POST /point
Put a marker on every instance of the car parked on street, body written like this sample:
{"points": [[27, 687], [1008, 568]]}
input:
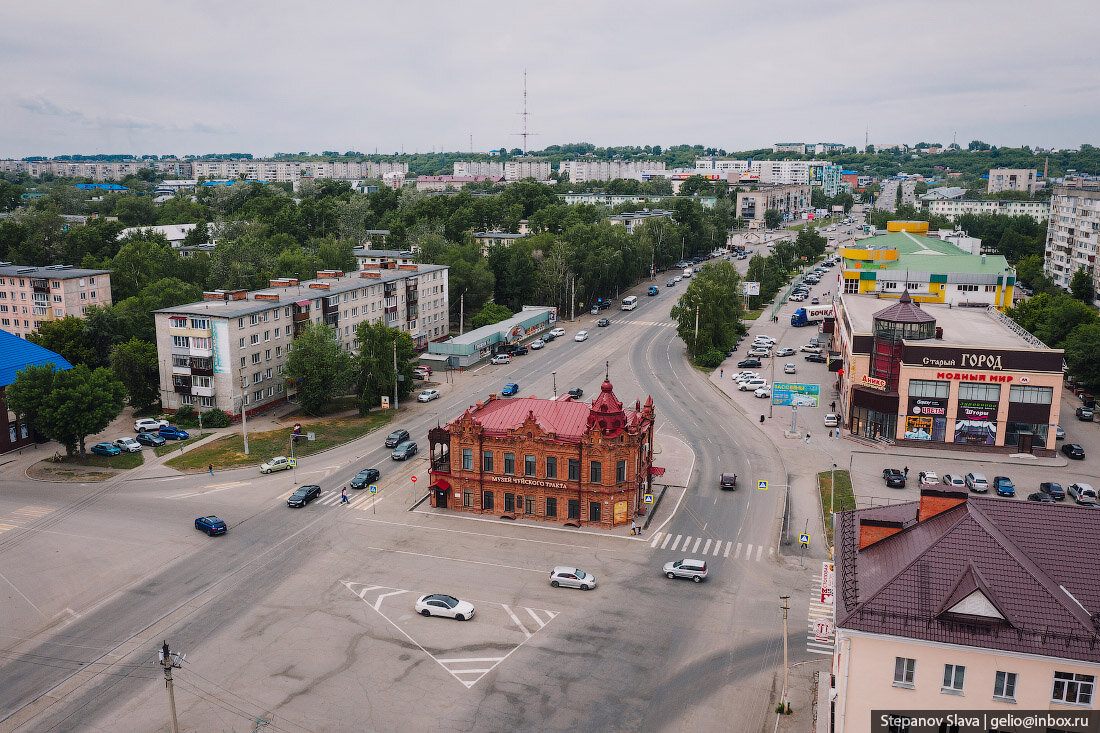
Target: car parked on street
{"points": [[751, 385], [365, 478], [1003, 486], [1083, 494], [278, 463], [1074, 451], [558, 331], [303, 495], [816, 358], [976, 482], [428, 395], [581, 336], [832, 420], [1054, 489], [894, 478], [810, 349], [747, 363], [789, 368], [1059, 434], [148, 424], [439, 604], [928, 478], [785, 351], [169, 432], [1040, 497], [954, 480], [211, 525], [571, 578], [760, 352], [106, 449], [537, 344], [762, 392], [501, 359], [128, 444], [397, 436], [404, 451], [687, 568], [1085, 414], [150, 439]]}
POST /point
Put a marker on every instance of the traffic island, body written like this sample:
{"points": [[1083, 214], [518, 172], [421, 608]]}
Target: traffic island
{"points": [[77, 469]]}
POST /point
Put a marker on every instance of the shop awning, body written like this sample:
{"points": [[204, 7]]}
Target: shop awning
{"points": [[656, 471], [441, 483]]}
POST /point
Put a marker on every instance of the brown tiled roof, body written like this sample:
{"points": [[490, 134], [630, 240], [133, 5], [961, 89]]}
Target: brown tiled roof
{"points": [[904, 311], [1034, 563]]}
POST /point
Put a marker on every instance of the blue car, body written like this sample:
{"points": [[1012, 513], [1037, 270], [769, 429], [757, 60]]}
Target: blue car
{"points": [[106, 449], [211, 525], [509, 389], [169, 432], [1004, 486], [652, 290]]}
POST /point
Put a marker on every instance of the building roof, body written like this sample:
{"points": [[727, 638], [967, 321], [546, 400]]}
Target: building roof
{"points": [[50, 272], [961, 326], [904, 311], [984, 573], [17, 354], [919, 254], [396, 254]]}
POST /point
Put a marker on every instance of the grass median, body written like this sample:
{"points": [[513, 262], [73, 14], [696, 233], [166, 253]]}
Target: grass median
{"points": [[174, 445], [121, 461], [842, 497], [228, 451]]}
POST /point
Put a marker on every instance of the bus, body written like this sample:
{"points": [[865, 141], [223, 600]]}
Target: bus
{"points": [[629, 303]]}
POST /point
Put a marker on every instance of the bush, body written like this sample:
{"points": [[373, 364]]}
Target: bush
{"points": [[215, 419], [185, 416], [711, 358]]}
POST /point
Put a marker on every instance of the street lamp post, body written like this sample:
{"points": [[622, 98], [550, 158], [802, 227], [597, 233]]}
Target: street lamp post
{"points": [[554, 375], [244, 409], [832, 486]]}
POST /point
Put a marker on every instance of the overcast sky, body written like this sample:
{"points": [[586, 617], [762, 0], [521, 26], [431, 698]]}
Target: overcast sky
{"points": [[262, 77]]}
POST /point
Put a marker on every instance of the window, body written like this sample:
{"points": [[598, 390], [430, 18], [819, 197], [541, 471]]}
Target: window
{"points": [[487, 461], [242, 361], [206, 401], [983, 392], [953, 678], [574, 469], [467, 496], [255, 339], [83, 296], [241, 342], [529, 469], [187, 399], [509, 463], [904, 671], [203, 324], [620, 471], [181, 341], [487, 500], [929, 388], [267, 354], [1075, 689], [1004, 686], [467, 461], [253, 319], [595, 472], [173, 322], [256, 358], [529, 505], [279, 351], [1030, 395], [258, 395], [551, 467], [257, 377], [551, 507], [267, 335]]}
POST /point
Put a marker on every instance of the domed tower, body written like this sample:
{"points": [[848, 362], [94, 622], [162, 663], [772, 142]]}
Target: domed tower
{"points": [[902, 321], [607, 411]]}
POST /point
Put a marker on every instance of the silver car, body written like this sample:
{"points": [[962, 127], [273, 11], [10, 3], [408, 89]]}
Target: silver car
{"points": [[571, 578], [687, 568]]}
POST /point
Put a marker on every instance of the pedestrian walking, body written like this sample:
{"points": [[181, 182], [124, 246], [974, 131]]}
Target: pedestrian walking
{"points": [[633, 527], [807, 438], [907, 472], [833, 406], [211, 469], [721, 373], [761, 419], [344, 496]]}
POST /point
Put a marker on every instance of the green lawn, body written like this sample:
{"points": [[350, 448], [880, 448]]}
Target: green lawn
{"points": [[122, 460], [228, 451], [843, 498], [174, 445], [751, 315]]}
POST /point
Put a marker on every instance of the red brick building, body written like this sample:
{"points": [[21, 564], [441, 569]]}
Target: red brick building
{"points": [[556, 460]]}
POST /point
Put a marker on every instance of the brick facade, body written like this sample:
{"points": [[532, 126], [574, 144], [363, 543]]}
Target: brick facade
{"points": [[556, 460]]}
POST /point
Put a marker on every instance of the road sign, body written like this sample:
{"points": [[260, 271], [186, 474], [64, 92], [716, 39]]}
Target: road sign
{"points": [[311, 436], [414, 479], [647, 498], [293, 462], [823, 630], [762, 484], [796, 395], [373, 489], [804, 538]]}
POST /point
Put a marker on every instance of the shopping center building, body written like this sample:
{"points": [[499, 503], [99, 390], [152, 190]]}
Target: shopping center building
{"points": [[927, 374], [547, 459]]}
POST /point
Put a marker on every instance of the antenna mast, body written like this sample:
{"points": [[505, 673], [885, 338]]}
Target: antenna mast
{"points": [[525, 134]]}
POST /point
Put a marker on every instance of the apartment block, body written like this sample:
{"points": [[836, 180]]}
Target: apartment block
{"points": [[229, 349], [786, 199], [1073, 232], [295, 170], [517, 170], [1014, 179], [97, 170], [798, 148], [579, 171], [1037, 210], [31, 296], [478, 168]]}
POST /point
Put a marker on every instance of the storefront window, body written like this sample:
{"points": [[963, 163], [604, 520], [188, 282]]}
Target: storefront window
{"points": [[1013, 430], [872, 423], [976, 413]]}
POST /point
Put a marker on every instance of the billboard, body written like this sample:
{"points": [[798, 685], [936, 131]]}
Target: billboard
{"points": [[795, 395], [750, 288], [221, 346]]}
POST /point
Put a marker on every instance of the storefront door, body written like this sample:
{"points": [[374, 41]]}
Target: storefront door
{"points": [[594, 511]]}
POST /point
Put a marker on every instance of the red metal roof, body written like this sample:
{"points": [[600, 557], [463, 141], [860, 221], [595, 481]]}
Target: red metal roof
{"points": [[565, 418]]}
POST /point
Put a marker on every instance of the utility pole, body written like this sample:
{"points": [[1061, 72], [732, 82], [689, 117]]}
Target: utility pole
{"points": [[573, 299], [169, 661], [461, 311], [695, 339], [832, 486], [786, 670], [395, 374], [554, 375], [244, 409]]}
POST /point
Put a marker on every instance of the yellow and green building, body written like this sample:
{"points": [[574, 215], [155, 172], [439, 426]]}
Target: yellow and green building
{"points": [[933, 271]]}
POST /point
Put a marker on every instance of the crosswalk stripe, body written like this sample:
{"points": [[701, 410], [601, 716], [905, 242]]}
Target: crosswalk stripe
{"points": [[706, 547], [759, 552], [696, 548], [738, 553], [667, 538], [717, 547], [729, 546], [676, 543], [656, 539]]}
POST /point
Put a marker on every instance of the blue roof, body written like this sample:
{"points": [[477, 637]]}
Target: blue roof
{"points": [[227, 182], [102, 186], [17, 353]]}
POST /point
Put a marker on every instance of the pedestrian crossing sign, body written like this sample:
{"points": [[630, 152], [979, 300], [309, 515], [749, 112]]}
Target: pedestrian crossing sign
{"points": [[762, 484], [293, 462], [647, 499], [373, 489], [804, 538]]}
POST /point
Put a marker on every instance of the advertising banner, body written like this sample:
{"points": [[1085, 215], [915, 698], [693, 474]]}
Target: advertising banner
{"points": [[797, 395], [620, 512], [751, 288], [220, 333]]}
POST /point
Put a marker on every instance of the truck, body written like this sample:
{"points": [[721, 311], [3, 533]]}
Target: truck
{"points": [[811, 316]]}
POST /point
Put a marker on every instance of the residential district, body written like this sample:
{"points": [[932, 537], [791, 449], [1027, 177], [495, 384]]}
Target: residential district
{"points": [[792, 439]]}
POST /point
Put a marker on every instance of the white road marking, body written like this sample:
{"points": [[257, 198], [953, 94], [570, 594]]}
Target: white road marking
{"points": [[676, 543], [172, 478], [717, 547], [667, 538], [515, 618], [729, 546], [539, 621], [706, 547], [759, 552], [378, 601], [738, 553], [212, 490], [455, 559], [696, 548], [656, 539]]}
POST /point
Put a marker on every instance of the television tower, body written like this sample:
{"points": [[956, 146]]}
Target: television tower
{"points": [[524, 114]]}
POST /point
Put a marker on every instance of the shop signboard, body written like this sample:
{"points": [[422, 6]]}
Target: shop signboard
{"points": [[976, 422]]}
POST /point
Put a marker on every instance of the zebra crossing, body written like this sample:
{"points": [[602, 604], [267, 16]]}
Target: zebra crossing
{"points": [[361, 500], [821, 632], [23, 516], [708, 546], [666, 324]]}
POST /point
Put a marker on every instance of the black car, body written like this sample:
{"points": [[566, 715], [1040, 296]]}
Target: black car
{"points": [[1054, 490], [211, 525], [548, 337], [397, 436], [1040, 497], [670, 283], [404, 451], [1085, 414], [304, 495], [894, 478], [150, 439], [520, 351], [604, 304], [1072, 450], [576, 393], [365, 478], [748, 364], [603, 322], [817, 358]]}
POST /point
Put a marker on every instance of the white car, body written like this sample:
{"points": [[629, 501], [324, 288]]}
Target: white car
{"points": [[751, 385], [501, 359], [128, 445], [572, 578], [279, 463], [789, 368], [148, 425], [581, 336], [928, 478], [742, 376], [678, 278], [537, 344], [810, 349], [439, 604], [796, 298], [763, 392], [954, 480], [785, 351], [760, 351], [428, 395], [832, 420], [763, 337], [559, 331]]}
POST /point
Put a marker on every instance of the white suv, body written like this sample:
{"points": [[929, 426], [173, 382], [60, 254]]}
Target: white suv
{"points": [[148, 425], [687, 568], [751, 385]]}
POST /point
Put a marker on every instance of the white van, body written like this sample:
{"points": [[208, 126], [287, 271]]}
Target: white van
{"points": [[687, 272]]}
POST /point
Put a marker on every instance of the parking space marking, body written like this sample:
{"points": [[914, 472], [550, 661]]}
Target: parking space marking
{"points": [[667, 538], [706, 547], [515, 618], [696, 548]]}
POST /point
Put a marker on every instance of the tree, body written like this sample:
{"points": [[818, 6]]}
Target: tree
{"points": [[374, 364], [1080, 287], [713, 300], [1082, 345], [66, 337], [772, 218], [320, 366], [67, 405], [139, 262], [135, 365], [489, 314]]}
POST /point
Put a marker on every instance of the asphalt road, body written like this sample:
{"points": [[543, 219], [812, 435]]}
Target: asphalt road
{"points": [[303, 617]]}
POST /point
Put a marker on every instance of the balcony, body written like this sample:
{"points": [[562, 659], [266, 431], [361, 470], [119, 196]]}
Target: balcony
{"points": [[181, 370], [181, 388], [201, 351], [202, 391]]}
